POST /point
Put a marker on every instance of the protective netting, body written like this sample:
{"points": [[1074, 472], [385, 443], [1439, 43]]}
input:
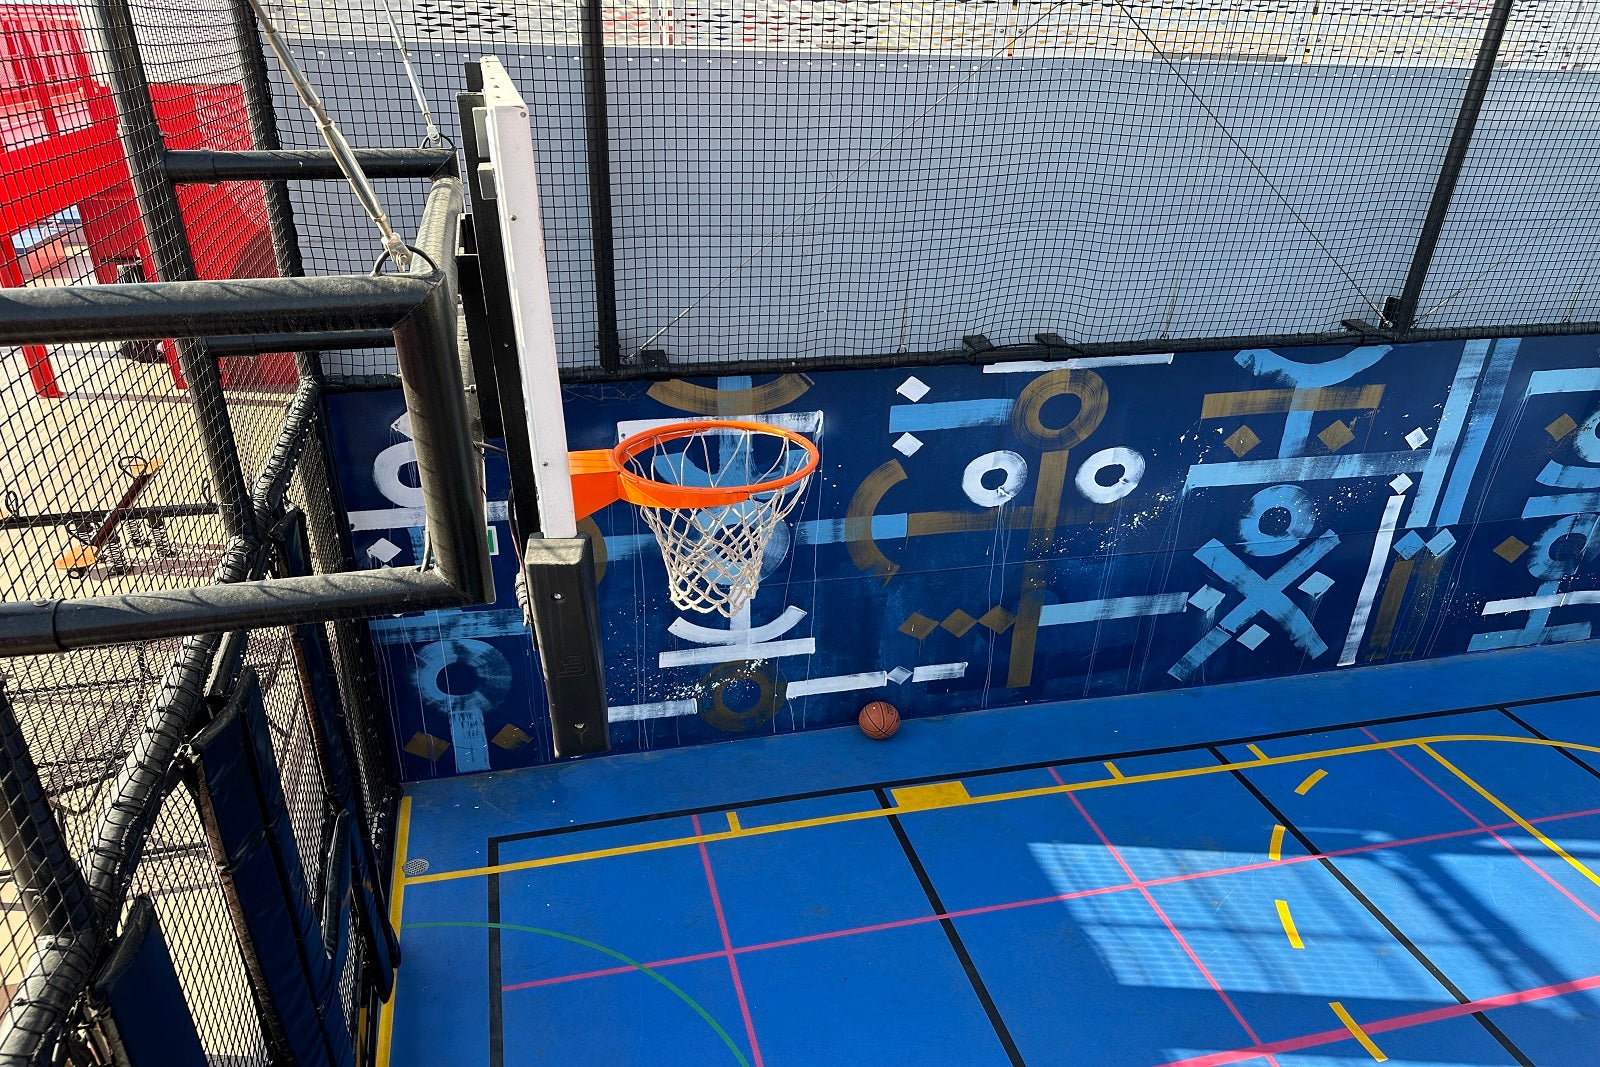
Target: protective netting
{"points": [[179, 874], [142, 466], [810, 179]]}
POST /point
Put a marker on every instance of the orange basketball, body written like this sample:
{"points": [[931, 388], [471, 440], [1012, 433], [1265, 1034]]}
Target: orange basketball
{"points": [[879, 720]]}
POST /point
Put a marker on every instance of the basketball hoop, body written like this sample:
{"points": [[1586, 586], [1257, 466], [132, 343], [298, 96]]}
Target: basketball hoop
{"points": [[712, 492]]}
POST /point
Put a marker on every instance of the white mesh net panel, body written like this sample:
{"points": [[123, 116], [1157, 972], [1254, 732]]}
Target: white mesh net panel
{"points": [[714, 554]]}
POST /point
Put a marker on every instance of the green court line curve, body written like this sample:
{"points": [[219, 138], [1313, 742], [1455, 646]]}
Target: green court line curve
{"points": [[614, 954]]}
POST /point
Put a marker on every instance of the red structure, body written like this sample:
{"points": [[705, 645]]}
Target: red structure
{"points": [[64, 183]]}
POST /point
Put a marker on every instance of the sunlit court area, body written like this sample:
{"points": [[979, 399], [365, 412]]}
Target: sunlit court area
{"points": [[797, 533]]}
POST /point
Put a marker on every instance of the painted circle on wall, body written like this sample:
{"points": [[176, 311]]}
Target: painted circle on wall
{"points": [[1587, 438], [994, 478], [1028, 416], [742, 696], [1564, 547], [773, 554], [1122, 466], [461, 674], [1280, 517]]}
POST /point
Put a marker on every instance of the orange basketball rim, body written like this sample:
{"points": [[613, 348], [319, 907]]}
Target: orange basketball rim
{"points": [[603, 476]]}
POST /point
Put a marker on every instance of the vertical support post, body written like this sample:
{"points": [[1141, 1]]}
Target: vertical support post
{"points": [[592, 34], [174, 259], [264, 134], [1403, 314], [54, 893]]}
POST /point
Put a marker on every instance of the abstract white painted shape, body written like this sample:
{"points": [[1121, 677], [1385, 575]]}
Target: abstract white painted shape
{"points": [[383, 550], [907, 445], [1012, 466], [913, 389], [1132, 464]]}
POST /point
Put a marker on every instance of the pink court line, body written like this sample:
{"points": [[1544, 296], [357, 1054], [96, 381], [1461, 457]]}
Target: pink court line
{"points": [[1150, 899], [1398, 1022], [1507, 845], [989, 909], [727, 949]]}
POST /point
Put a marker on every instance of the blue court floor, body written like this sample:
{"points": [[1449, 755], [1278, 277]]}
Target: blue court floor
{"points": [[1242, 874]]}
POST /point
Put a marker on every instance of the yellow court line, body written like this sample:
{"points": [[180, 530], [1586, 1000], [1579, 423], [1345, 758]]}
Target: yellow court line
{"points": [[397, 896], [1311, 779], [1356, 1032], [733, 821], [992, 798], [1288, 925], [1513, 816], [1112, 767], [1258, 753], [1275, 850]]}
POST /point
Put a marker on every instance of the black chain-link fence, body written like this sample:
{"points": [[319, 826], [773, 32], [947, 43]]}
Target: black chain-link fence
{"points": [[846, 183]]}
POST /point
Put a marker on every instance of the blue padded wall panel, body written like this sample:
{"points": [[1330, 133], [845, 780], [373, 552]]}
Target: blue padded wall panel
{"points": [[241, 801], [331, 732], [985, 536], [321, 975], [138, 990]]}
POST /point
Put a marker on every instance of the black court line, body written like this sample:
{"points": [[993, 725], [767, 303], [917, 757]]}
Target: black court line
{"points": [[497, 1051], [1036, 765], [1377, 913], [496, 994], [493, 843], [1541, 735], [982, 991]]}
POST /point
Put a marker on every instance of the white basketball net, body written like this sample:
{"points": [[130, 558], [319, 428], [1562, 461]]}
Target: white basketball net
{"points": [[713, 554]]}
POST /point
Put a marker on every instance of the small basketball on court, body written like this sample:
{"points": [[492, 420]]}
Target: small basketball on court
{"points": [[879, 720]]}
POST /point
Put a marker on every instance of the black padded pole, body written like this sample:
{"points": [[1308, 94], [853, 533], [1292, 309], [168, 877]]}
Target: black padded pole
{"points": [[597, 134], [1404, 314]]}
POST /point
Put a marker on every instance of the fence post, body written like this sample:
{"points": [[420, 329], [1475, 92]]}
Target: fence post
{"points": [[264, 134], [55, 897], [1404, 312], [592, 34], [169, 248]]}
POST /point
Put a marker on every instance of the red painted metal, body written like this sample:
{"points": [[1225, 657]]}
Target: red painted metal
{"points": [[59, 149]]}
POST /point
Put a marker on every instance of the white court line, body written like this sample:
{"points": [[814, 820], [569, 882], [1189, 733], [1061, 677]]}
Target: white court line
{"points": [[661, 709], [804, 646], [806, 422], [409, 518], [934, 672]]}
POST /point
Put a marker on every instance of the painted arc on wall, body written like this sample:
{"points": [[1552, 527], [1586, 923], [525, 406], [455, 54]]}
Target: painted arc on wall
{"points": [[1268, 527]]}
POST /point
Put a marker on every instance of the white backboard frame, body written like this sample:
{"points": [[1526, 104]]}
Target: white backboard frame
{"points": [[510, 177]]}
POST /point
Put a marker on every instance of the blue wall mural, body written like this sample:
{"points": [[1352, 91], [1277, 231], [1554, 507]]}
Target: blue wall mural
{"points": [[983, 536], [463, 688]]}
